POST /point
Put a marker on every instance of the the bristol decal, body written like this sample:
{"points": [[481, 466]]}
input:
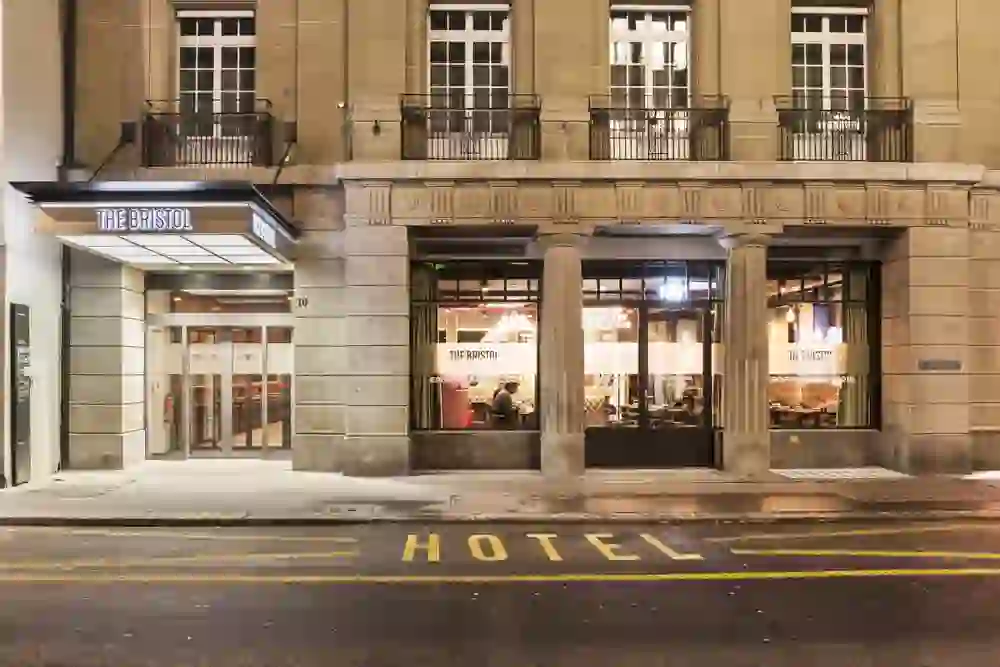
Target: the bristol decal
{"points": [[144, 219]]}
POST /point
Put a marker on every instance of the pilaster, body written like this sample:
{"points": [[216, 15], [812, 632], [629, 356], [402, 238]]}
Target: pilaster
{"points": [[561, 356], [107, 365], [320, 333], [746, 436], [927, 356]]}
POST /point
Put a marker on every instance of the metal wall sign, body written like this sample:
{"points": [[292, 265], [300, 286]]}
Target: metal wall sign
{"points": [[144, 219], [20, 393]]}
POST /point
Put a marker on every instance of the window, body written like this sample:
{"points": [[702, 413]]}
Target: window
{"points": [[469, 56], [823, 322], [217, 59], [649, 330], [650, 83], [474, 343], [829, 60], [649, 58]]}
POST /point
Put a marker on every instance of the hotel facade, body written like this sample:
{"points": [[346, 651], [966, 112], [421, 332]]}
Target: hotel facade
{"points": [[383, 237]]}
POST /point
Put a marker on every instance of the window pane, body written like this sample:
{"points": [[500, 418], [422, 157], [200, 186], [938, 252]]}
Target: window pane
{"points": [[230, 79], [230, 57], [187, 80], [439, 20], [856, 54], [188, 57], [248, 26], [230, 26], [188, 27], [247, 79], [248, 56], [205, 57]]}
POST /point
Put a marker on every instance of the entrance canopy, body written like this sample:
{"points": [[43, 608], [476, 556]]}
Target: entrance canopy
{"points": [[165, 225]]}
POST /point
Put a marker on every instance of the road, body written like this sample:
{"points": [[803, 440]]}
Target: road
{"points": [[622, 594]]}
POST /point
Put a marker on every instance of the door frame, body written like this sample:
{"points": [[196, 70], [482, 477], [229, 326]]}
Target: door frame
{"points": [[228, 321], [643, 446]]}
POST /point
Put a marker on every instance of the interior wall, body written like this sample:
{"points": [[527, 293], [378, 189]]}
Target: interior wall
{"points": [[30, 141]]}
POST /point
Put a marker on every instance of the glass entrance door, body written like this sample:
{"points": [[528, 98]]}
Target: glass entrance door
{"points": [[651, 383], [238, 390]]}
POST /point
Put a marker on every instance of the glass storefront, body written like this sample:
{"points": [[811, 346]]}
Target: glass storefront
{"points": [[823, 341], [474, 340], [652, 335], [653, 352]]}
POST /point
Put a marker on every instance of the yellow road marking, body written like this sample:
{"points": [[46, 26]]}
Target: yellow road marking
{"points": [[100, 578], [185, 535], [821, 553], [848, 533], [432, 546], [674, 555], [169, 560]]}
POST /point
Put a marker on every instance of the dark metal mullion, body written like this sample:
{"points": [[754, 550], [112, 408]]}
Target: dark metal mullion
{"points": [[707, 336], [643, 365]]}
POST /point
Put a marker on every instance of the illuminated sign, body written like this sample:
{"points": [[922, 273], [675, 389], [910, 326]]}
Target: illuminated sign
{"points": [[144, 219], [264, 232]]}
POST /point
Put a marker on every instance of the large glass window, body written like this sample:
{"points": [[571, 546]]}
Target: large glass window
{"points": [[650, 335], [474, 341], [822, 337]]}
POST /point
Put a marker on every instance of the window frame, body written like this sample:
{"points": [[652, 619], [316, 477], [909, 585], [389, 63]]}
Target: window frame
{"points": [[216, 42], [461, 271], [648, 39], [826, 39], [871, 303], [469, 36]]}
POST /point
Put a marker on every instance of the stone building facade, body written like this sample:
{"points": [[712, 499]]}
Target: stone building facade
{"points": [[806, 180]]}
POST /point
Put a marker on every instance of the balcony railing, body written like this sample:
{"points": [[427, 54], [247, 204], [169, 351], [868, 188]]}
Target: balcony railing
{"points": [[696, 131], [173, 137], [437, 127], [876, 129]]}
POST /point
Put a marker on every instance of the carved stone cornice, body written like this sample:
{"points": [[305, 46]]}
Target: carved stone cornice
{"points": [[671, 202]]}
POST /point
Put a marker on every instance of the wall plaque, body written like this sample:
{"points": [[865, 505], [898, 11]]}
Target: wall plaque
{"points": [[939, 364]]}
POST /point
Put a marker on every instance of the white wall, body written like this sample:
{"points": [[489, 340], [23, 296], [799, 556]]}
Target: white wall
{"points": [[30, 149]]}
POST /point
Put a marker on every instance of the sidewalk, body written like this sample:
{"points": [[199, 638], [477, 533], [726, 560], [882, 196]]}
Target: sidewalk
{"points": [[269, 492]]}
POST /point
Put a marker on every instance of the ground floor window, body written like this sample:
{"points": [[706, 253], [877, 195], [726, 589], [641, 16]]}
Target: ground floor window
{"points": [[652, 346], [474, 345], [823, 341]]}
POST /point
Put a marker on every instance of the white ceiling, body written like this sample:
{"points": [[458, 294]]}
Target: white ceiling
{"points": [[175, 251]]}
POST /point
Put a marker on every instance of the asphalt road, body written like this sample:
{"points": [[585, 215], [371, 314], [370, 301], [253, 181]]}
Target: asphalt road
{"points": [[890, 594]]}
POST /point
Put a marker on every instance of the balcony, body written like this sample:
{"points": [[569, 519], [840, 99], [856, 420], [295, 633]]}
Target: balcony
{"points": [[172, 137], [439, 127], [696, 131], [879, 129]]}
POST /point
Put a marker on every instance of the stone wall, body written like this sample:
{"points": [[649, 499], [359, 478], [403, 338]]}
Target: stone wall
{"points": [[107, 362]]}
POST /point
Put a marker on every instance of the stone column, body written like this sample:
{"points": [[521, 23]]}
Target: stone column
{"points": [[745, 421], [320, 332], [928, 359], [107, 348], [561, 356], [884, 39], [705, 47], [377, 307], [930, 76]]}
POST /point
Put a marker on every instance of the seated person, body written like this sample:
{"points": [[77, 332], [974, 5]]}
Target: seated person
{"points": [[504, 410]]}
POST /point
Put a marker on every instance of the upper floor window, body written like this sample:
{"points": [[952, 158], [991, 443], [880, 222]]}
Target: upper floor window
{"points": [[217, 59], [470, 57], [649, 57], [829, 63]]}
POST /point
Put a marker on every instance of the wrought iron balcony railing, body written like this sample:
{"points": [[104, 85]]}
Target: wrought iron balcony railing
{"points": [[439, 127], [871, 129], [696, 131], [175, 137]]}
